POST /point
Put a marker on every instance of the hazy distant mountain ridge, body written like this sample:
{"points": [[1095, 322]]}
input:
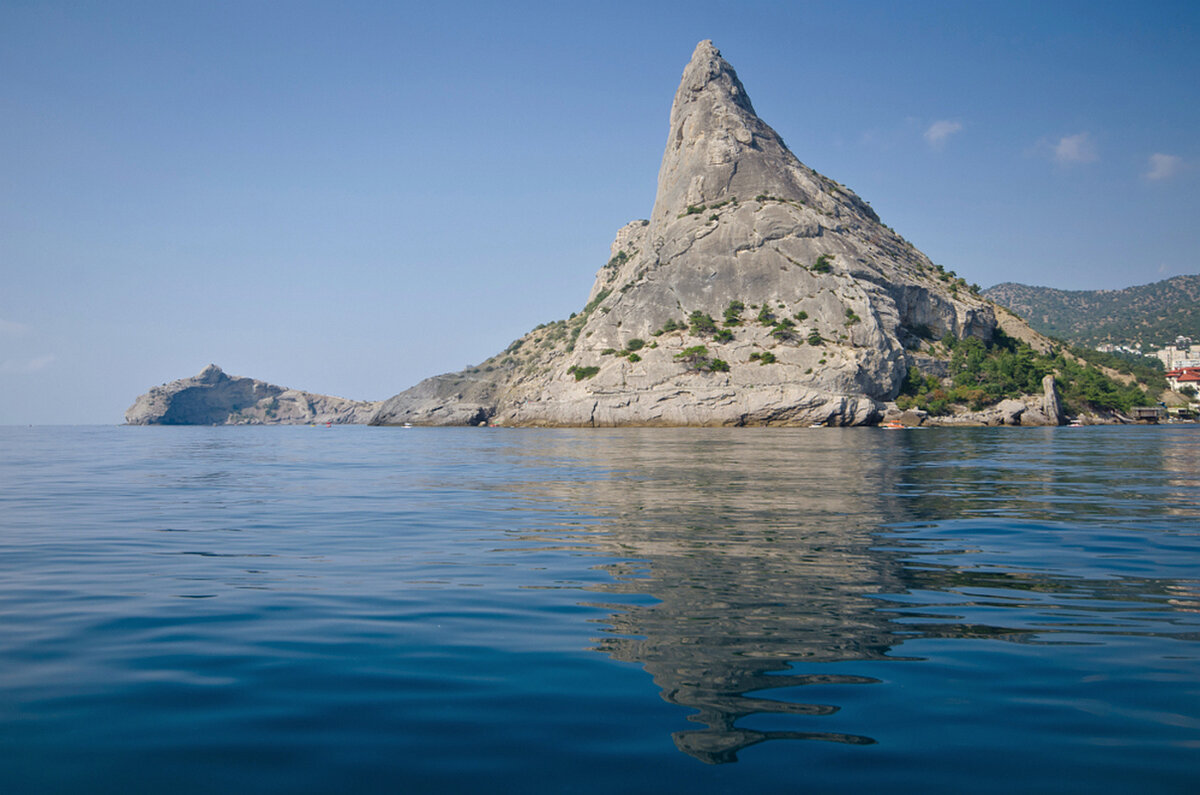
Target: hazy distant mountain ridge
{"points": [[1152, 314]]}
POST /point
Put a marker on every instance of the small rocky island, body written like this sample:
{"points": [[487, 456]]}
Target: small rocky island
{"points": [[758, 292], [214, 398]]}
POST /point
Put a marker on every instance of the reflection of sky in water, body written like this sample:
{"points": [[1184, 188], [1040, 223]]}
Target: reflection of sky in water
{"points": [[773, 555], [302, 606]]}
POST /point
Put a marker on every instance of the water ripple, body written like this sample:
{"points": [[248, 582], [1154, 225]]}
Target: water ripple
{"points": [[290, 609]]}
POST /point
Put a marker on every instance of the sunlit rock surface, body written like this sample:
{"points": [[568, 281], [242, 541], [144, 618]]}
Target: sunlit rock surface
{"points": [[834, 303]]}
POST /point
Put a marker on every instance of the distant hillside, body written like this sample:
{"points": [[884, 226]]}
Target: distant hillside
{"points": [[1152, 314]]}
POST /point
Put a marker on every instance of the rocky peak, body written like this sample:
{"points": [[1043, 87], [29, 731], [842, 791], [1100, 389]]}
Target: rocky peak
{"points": [[759, 292], [708, 70], [211, 375], [718, 148]]}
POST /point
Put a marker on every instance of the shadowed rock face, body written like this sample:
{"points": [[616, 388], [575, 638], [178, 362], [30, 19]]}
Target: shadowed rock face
{"points": [[831, 298], [214, 398]]}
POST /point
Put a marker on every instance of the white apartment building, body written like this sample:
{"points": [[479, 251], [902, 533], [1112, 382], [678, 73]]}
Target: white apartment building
{"points": [[1180, 354]]}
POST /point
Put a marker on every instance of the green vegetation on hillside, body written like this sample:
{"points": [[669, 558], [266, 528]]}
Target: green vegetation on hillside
{"points": [[733, 313], [697, 359], [702, 323], [784, 329], [581, 373], [983, 374], [595, 302], [618, 259], [1147, 369], [1150, 314], [629, 351], [671, 325]]}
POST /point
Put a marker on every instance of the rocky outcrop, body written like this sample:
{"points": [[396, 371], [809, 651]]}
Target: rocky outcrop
{"points": [[758, 292], [214, 398], [1051, 406], [1030, 410]]}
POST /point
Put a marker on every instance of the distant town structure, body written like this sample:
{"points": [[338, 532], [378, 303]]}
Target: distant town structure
{"points": [[1182, 353], [1108, 347], [1181, 362]]}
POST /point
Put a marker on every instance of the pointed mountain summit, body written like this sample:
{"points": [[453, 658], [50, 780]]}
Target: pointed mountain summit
{"points": [[718, 146], [758, 292]]}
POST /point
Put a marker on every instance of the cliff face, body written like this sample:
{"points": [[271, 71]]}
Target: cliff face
{"points": [[214, 398], [816, 305]]}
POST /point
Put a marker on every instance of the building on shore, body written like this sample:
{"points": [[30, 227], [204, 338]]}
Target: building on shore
{"points": [[1181, 377], [1180, 354]]}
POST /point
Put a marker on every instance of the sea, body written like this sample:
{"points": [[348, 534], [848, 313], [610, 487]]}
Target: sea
{"points": [[354, 609]]}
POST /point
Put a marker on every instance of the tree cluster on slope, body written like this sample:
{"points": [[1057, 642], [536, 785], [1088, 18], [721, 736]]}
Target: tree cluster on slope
{"points": [[983, 374]]}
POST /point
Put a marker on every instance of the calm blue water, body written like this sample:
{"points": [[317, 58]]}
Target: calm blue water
{"points": [[463, 610]]}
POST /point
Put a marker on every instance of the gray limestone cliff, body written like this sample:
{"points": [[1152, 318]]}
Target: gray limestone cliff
{"points": [[758, 292], [214, 398]]}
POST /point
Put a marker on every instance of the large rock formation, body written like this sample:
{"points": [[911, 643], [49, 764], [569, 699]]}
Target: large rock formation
{"points": [[214, 398], [832, 302]]}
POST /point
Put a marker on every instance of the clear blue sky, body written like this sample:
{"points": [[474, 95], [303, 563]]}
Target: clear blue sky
{"points": [[349, 197]]}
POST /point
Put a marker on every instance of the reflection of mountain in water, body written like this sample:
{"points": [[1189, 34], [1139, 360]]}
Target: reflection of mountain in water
{"points": [[766, 552], [759, 555]]}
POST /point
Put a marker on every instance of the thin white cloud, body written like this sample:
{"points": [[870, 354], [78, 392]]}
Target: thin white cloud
{"points": [[1162, 166], [11, 328], [21, 366], [938, 132], [1077, 148]]}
